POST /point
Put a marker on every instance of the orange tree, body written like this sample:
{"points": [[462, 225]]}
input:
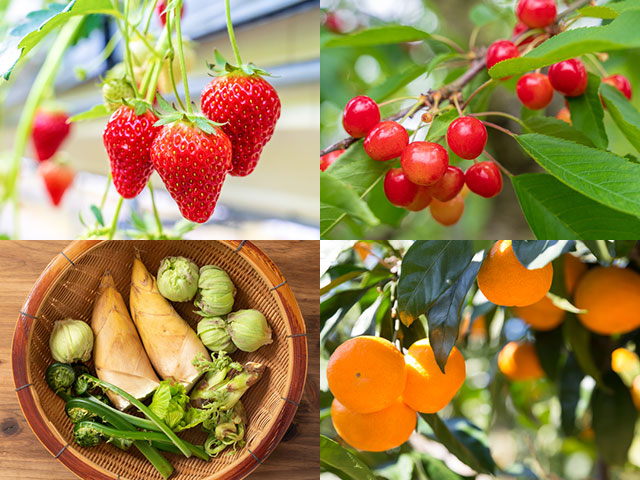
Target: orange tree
{"points": [[429, 371], [431, 109]]}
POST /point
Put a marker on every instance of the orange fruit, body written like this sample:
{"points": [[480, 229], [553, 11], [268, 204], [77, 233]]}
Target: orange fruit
{"points": [[573, 270], [428, 389], [519, 361], [363, 249], [635, 392], [366, 374], [503, 280], [623, 360], [611, 296], [542, 315], [377, 431]]}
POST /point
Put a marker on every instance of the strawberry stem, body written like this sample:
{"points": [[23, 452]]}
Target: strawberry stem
{"points": [[124, 29], [114, 222], [106, 191], [170, 20], [183, 68], [232, 36], [153, 9], [155, 209]]}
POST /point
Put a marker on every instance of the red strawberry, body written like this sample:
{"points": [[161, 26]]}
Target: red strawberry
{"points": [[161, 10], [50, 128], [249, 108], [57, 178], [127, 138], [193, 165]]}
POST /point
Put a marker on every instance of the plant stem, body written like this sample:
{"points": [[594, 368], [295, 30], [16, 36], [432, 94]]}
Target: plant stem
{"points": [[124, 29], [399, 99], [155, 210], [476, 91], [153, 9], [498, 127], [114, 222], [490, 157], [232, 36], [106, 192], [448, 41], [44, 79], [419, 104], [500, 114], [183, 68]]}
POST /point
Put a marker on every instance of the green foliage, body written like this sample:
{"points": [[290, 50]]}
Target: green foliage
{"points": [[587, 113]]}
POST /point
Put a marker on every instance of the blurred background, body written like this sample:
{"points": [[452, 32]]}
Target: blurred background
{"points": [[348, 71], [278, 200]]}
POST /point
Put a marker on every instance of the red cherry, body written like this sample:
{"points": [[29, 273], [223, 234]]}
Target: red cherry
{"points": [[518, 30], [398, 189], [501, 50], [448, 186], [447, 213], [424, 163], [385, 141], [621, 83], [568, 77], [467, 137], [484, 179], [536, 13], [421, 200], [564, 115], [360, 115], [534, 91], [329, 158]]}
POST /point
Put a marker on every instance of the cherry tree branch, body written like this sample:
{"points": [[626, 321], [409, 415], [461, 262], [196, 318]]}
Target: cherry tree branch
{"points": [[477, 65]]}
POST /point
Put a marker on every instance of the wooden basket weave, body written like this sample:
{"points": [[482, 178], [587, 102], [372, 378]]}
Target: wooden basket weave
{"points": [[67, 288]]}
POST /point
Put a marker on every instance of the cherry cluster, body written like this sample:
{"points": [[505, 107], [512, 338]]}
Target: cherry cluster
{"points": [[425, 177], [569, 78]]}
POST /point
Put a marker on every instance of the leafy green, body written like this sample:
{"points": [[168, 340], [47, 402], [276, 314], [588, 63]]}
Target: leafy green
{"points": [[169, 402]]}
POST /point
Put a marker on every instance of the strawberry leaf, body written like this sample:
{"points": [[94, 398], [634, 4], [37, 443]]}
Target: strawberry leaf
{"points": [[98, 214]]}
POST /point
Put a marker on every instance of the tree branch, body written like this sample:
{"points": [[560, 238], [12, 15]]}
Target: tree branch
{"points": [[478, 64]]}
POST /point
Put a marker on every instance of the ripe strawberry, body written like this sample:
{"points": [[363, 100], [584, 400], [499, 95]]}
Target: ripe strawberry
{"points": [[193, 165], [249, 108], [50, 128], [127, 138], [57, 178]]}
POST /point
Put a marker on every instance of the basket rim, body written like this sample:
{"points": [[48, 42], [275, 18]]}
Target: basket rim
{"points": [[71, 457]]}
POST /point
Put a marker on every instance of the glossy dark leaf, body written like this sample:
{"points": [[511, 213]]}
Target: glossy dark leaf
{"points": [[569, 393], [336, 457]]}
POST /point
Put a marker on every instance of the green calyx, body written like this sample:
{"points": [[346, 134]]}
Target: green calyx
{"points": [[223, 67], [172, 115]]}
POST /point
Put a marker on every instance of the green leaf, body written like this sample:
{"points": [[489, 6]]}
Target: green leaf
{"points": [[587, 114], [401, 469], [356, 169], [338, 305], [97, 111], [482, 14], [445, 314], [336, 457], [438, 59], [382, 208], [557, 128], [98, 214], [38, 24], [580, 341], [435, 468], [385, 35], [549, 346], [614, 420], [440, 125], [602, 176], [609, 11], [395, 82], [621, 34], [428, 269], [336, 194], [624, 114], [555, 211], [569, 393], [463, 439]]}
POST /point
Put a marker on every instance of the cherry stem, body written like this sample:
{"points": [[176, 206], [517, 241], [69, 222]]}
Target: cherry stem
{"points": [[114, 222], [455, 102], [183, 68], [473, 37], [399, 99], [232, 36], [501, 167], [476, 91], [155, 209], [498, 127], [447, 41], [500, 114], [596, 63], [419, 104]]}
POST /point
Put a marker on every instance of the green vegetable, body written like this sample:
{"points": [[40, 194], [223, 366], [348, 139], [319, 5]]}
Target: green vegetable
{"points": [[71, 341], [216, 292], [228, 431], [177, 279], [86, 435], [144, 409], [249, 330], [80, 385], [215, 336], [169, 402], [60, 377]]}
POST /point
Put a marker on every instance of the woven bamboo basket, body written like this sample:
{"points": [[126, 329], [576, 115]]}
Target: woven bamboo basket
{"points": [[67, 288]]}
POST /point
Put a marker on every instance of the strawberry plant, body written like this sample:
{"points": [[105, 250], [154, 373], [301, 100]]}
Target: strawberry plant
{"points": [[534, 102], [191, 151]]}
